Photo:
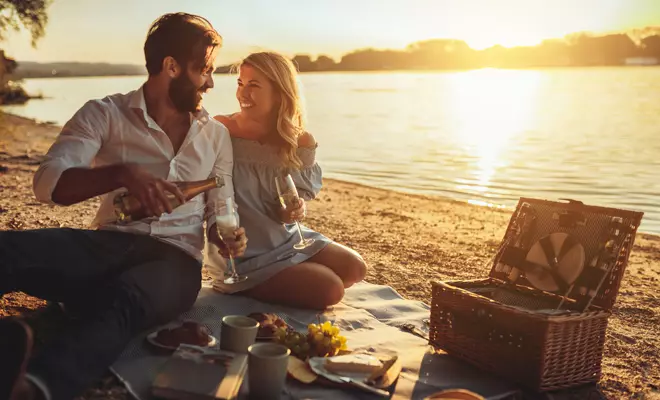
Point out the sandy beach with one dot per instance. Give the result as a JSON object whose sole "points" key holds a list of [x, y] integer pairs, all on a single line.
{"points": [[407, 240]]}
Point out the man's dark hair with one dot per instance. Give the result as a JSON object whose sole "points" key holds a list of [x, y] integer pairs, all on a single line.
{"points": [[189, 39]]}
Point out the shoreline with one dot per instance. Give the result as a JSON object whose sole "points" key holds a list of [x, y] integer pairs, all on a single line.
{"points": [[408, 241], [433, 197], [505, 209]]}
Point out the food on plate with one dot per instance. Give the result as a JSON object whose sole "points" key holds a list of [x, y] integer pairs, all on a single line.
{"points": [[351, 363], [268, 324], [190, 332], [300, 370], [321, 340]]}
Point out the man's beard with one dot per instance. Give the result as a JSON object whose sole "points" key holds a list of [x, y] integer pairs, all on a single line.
{"points": [[183, 94]]}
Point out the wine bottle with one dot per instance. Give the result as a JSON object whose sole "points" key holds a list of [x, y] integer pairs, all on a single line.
{"points": [[128, 208]]}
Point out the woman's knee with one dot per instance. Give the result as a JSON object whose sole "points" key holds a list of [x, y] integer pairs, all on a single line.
{"points": [[358, 268], [347, 263], [330, 292], [307, 285], [353, 270]]}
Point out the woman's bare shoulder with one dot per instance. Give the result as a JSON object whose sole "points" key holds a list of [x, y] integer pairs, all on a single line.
{"points": [[228, 122], [224, 119]]}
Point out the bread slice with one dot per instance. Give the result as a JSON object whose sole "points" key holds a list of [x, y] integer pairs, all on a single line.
{"points": [[353, 363]]}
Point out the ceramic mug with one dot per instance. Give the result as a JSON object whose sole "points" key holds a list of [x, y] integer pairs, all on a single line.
{"points": [[238, 333]]}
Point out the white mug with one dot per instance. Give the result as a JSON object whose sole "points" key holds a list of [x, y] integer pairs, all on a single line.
{"points": [[267, 369], [238, 333]]}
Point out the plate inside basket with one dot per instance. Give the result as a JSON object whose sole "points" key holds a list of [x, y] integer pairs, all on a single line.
{"points": [[569, 257]]}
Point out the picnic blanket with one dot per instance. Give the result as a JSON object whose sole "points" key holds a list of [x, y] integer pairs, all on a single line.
{"points": [[369, 317]]}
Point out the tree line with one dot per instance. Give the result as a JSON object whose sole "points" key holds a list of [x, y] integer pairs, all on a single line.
{"points": [[575, 50]]}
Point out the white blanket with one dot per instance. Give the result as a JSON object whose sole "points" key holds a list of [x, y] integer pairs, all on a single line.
{"points": [[369, 317]]}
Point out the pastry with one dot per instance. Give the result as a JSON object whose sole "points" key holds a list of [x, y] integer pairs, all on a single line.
{"points": [[189, 332], [268, 324]]}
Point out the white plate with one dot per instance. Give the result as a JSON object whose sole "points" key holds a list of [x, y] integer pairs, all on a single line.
{"points": [[151, 338], [569, 267]]}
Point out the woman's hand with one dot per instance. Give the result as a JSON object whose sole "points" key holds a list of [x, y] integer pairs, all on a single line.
{"points": [[235, 245], [290, 215]]}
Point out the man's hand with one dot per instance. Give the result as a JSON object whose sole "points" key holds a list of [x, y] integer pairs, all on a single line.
{"points": [[148, 190], [235, 245], [290, 215]]}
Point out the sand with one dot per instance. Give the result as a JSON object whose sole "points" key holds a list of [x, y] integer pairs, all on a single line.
{"points": [[407, 240]]}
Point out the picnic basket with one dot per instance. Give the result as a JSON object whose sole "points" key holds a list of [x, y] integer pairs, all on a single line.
{"points": [[539, 318]]}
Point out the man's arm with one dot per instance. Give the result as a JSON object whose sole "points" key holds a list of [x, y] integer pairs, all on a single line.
{"points": [[75, 148], [79, 184], [67, 177]]}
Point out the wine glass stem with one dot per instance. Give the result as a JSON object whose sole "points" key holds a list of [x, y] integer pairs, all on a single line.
{"points": [[231, 264], [302, 239]]}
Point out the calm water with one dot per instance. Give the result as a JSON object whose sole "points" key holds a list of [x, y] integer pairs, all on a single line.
{"points": [[486, 136]]}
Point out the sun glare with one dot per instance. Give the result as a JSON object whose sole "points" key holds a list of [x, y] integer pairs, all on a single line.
{"points": [[493, 107]]}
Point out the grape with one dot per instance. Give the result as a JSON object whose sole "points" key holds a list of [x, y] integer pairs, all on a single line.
{"points": [[320, 340], [297, 337], [326, 327]]}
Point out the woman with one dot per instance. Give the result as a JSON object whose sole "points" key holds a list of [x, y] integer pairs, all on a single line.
{"points": [[268, 139]]}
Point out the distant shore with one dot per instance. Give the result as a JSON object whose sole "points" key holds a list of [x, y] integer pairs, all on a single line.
{"points": [[225, 71], [407, 240]]}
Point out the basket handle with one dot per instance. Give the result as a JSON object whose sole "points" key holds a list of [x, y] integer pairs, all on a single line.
{"points": [[572, 201]]}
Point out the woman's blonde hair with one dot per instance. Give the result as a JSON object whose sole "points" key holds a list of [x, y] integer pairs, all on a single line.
{"points": [[282, 74]]}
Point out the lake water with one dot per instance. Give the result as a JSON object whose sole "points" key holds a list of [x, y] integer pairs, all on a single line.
{"points": [[486, 136]]}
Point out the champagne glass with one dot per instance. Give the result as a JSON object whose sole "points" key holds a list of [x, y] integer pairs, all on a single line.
{"points": [[286, 189], [226, 223]]}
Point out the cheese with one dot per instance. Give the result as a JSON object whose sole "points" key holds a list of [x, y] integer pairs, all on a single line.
{"points": [[350, 363]]}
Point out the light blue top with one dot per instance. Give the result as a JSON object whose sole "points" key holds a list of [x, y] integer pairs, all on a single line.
{"points": [[270, 242]]}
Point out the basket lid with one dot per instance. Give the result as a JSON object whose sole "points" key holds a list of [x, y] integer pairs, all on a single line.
{"points": [[567, 248]]}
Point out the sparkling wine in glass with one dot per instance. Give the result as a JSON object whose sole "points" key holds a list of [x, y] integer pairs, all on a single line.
{"points": [[226, 223], [286, 189]]}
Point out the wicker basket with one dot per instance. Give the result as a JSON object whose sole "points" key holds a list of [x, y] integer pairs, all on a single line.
{"points": [[542, 340]]}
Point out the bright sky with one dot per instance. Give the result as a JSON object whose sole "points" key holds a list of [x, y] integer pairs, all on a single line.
{"points": [[114, 30]]}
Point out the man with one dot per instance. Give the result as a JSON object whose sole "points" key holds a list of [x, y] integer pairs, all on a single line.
{"points": [[120, 279]]}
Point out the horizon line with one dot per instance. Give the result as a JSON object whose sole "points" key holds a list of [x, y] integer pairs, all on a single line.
{"points": [[636, 33]]}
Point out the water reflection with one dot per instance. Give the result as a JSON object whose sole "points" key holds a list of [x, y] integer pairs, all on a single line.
{"points": [[487, 136], [493, 108]]}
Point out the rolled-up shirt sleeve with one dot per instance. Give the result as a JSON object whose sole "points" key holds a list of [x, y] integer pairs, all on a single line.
{"points": [[76, 146], [223, 168]]}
